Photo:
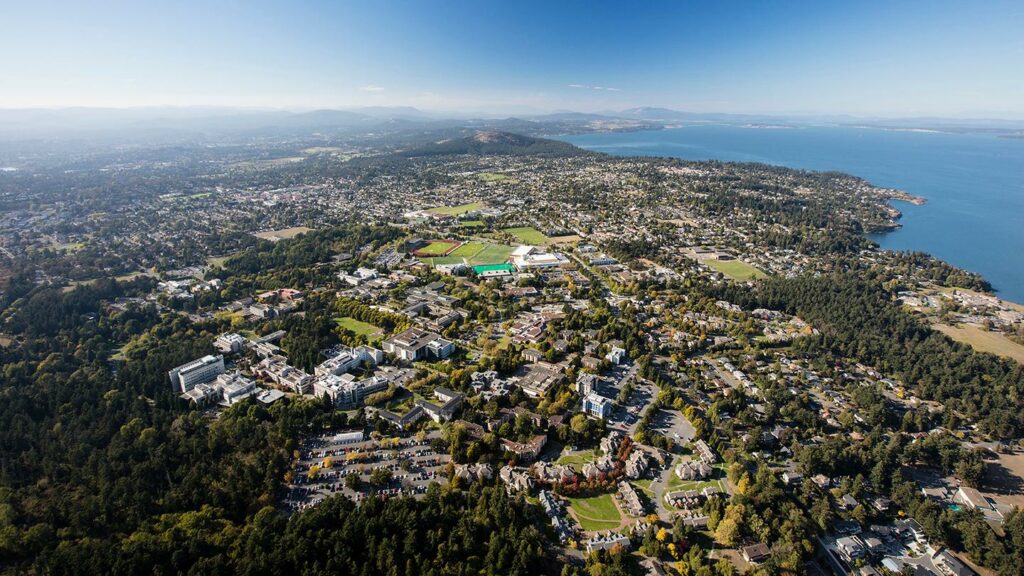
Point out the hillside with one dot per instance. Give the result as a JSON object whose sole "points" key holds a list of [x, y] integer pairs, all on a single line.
{"points": [[488, 143]]}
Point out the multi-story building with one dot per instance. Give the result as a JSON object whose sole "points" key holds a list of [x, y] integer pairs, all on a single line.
{"points": [[417, 344], [597, 406], [185, 377]]}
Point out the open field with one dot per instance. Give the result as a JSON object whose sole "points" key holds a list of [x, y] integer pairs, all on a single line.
{"points": [[596, 512], [492, 176], [571, 239], [528, 235], [437, 248], [456, 210], [1004, 479], [735, 269], [983, 341], [358, 327], [284, 234]]}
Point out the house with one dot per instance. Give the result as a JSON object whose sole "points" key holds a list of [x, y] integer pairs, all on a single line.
{"points": [[630, 499], [851, 548], [417, 344], [693, 470], [185, 377], [971, 498], [607, 542], [756, 553], [707, 455], [950, 564], [790, 477], [636, 464], [847, 502], [515, 479]]}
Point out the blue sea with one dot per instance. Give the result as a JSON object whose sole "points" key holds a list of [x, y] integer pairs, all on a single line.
{"points": [[974, 183]]}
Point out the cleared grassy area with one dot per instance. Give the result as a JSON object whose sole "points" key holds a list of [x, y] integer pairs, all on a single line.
{"points": [[283, 234], [596, 512], [577, 458], [492, 176], [358, 327], [736, 269], [456, 210], [983, 341], [528, 235]]}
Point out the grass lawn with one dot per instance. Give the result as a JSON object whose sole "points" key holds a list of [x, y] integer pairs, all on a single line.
{"points": [[456, 210], [492, 176], [596, 512], [358, 327], [528, 234], [736, 269], [578, 458], [983, 340], [468, 250], [644, 485], [492, 254]]}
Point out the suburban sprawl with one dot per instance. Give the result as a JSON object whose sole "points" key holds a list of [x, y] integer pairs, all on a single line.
{"points": [[484, 353]]}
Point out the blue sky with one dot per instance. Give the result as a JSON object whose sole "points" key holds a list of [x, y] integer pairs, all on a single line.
{"points": [[862, 57]]}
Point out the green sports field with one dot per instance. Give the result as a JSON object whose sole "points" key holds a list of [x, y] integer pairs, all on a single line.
{"points": [[528, 235], [456, 210], [736, 269], [435, 248]]}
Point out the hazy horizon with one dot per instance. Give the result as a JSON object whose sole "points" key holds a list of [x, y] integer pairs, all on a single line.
{"points": [[915, 59]]}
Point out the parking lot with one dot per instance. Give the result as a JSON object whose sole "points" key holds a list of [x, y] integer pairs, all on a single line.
{"points": [[411, 462]]}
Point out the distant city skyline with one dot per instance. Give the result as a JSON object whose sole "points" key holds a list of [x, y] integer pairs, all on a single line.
{"points": [[949, 59]]}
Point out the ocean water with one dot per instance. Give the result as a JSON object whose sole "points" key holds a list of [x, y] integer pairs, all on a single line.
{"points": [[974, 183]]}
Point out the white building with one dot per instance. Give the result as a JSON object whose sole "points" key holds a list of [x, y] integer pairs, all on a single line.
{"points": [[527, 258], [596, 405], [417, 344], [346, 359], [185, 377], [230, 343]]}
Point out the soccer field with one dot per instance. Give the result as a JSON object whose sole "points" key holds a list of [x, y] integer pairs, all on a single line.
{"points": [[528, 234], [436, 248], [456, 210], [492, 254], [736, 269]]}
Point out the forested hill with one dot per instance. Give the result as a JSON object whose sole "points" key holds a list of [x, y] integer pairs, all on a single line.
{"points": [[496, 143]]}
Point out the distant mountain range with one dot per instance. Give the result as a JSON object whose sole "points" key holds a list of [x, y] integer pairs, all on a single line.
{"points": [[155, 124]]}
